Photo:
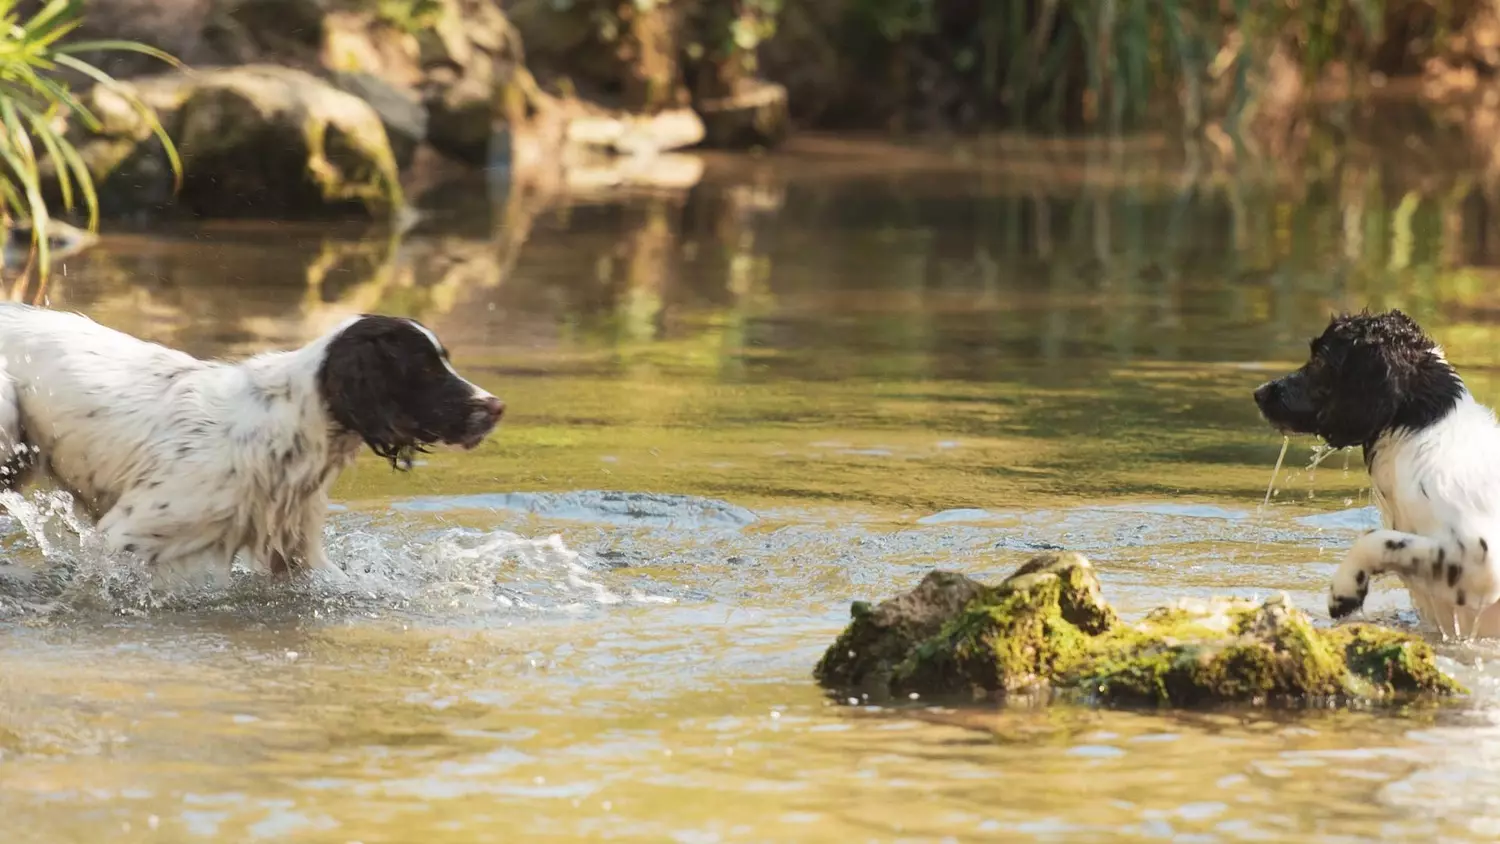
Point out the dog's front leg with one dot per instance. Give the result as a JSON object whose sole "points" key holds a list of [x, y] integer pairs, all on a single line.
{"points": [[207, 570], [177, 556], [307, 554], [1389, 551]]}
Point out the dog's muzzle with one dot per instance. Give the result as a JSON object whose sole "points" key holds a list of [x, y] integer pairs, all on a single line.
{"points": [[1283, 404], [482, 420], [1267, 396]]}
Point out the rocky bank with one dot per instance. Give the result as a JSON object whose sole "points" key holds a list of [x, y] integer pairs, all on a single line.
{"points": [[318, 107]]}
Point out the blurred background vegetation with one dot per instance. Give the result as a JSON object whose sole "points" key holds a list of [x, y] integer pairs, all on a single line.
{"points": [[1045, 64], [1336, 95]]}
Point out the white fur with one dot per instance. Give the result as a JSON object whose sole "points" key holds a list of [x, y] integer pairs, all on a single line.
{"points": [[183, 462], [1438, 492]]}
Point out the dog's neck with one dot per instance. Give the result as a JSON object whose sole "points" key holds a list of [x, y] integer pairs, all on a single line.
{"points": [[287, 377], [1433, 393]]}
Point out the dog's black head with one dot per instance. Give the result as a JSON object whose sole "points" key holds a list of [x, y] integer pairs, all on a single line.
{"points": [[1368, 374], [389, 381]]}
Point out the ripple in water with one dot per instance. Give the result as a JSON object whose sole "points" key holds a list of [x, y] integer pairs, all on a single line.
{"points": [[622, 508], [57, 564]]}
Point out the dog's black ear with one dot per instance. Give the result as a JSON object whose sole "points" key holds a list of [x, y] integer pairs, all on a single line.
{"points": [[1366, 399], [355, 378]]}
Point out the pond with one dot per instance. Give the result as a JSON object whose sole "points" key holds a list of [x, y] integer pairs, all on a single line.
{"points": [[733, 411]]}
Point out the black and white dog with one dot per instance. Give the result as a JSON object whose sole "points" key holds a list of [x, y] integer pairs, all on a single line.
{"points": [[184, 463], [1433, 453]]}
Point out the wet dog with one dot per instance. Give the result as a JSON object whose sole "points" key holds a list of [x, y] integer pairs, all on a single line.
{"points": [[185, 463], [1377, 381]]}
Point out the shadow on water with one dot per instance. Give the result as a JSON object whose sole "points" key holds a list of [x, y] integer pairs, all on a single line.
{"points": [[808, 379]]}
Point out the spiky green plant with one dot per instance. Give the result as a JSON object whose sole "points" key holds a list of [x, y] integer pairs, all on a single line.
{"points": [[36, 96]]}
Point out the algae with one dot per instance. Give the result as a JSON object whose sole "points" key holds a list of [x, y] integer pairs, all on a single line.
{"points": [[1046, 630]]}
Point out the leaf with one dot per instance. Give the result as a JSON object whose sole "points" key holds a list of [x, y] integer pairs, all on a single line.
{"points": [[50, 140], [22, 159], [105, 46], [32, 96]]}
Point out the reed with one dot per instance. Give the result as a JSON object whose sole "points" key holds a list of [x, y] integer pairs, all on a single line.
{"points": [[1108, 63], [38, 64]]}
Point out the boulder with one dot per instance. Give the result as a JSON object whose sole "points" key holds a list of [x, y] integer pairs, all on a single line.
{"points": [[448, 58], [756, 115], [256, 140], [1047, 632], [401, 111], [461, 114], [621, 133], [467, 56]]}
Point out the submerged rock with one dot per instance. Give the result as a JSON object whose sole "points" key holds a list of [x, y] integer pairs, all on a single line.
{"points": [[1046, 630]]}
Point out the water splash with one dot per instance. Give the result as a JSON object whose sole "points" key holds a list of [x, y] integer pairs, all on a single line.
{"points": [[466, 567], [49, 518], [58, 563], [1286, 443]]}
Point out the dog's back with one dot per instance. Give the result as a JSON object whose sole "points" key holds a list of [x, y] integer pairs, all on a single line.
{"points": [[66, 378]]}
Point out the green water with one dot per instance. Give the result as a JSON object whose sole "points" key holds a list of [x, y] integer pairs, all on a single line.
{"points": [[846, 370]]}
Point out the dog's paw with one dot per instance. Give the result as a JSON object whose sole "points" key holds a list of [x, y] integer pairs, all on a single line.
{"points": [[1343, 606], [1350, 587]]}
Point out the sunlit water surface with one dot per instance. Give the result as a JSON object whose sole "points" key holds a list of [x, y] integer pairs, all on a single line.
{"points": [[732, 413]]}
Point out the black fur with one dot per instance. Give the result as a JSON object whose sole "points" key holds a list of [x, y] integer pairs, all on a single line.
{"points": [[1368, 375], [383, 379]]}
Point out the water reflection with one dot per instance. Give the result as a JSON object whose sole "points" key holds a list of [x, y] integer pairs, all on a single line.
{"points": [[987, 252]]}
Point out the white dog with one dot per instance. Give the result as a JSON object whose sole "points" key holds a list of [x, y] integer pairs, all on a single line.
{"points": [[184, 463], [1433, 454]]}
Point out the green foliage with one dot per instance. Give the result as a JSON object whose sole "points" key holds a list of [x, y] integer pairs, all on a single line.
{"points": [[1108, 60], [35, 96], [411, 16]]}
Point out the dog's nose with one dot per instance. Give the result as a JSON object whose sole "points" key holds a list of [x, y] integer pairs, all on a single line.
{"points": [[1266, 392], [494, 407]]}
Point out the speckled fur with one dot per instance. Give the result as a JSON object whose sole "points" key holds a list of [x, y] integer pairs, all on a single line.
{"points": [[185, 463]]}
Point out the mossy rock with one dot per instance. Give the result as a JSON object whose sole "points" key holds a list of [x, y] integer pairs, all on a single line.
{"points": [[254, 140], [1047, 631]]}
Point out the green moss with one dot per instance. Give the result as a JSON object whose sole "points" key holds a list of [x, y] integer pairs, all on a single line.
{"points": [[864, 658], [1047, 630], [409, 16], [1014, 638], [1393, 663], [1216, 651]]}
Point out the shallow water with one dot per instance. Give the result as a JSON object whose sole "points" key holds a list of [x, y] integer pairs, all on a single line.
{"points": [[732, 413]]}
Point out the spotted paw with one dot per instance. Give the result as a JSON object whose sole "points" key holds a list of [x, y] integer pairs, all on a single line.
{"points": [[1343, 606]]}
